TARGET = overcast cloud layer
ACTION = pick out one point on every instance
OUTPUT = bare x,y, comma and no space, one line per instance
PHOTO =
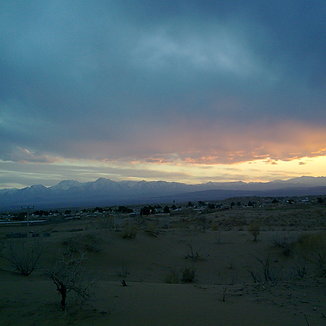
158,81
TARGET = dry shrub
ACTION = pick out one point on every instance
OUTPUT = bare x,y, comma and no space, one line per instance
129,232
83,243
254,230
313,241
285,245
22,255
299,270
192,254
188,275
265,272
313,248
68,275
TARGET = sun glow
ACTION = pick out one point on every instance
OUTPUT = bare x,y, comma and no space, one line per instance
21,174
262,170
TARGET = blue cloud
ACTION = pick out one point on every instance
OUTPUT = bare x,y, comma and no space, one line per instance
82,74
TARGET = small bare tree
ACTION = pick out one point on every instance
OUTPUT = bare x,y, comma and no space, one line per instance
68,276
254,230
23,256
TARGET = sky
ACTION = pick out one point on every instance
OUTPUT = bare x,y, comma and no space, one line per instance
184,90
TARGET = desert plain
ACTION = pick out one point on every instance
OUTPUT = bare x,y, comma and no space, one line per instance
257,265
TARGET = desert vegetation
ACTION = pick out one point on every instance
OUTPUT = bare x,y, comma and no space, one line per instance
68,276
206,262
254,230
23,256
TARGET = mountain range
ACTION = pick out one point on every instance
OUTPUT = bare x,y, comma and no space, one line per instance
71,193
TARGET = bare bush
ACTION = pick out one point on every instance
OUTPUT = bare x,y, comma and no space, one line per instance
129,232
266,266
300,270
192,254
284,244
68,276
188,275
267,274
312,247
254,230
224,293
23,256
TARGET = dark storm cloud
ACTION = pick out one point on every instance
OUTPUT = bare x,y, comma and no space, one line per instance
105,79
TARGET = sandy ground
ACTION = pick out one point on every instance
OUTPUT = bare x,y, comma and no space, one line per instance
223,292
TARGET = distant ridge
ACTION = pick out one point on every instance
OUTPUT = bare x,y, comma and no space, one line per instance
107,192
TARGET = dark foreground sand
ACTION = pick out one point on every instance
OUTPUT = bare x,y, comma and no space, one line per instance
224,292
